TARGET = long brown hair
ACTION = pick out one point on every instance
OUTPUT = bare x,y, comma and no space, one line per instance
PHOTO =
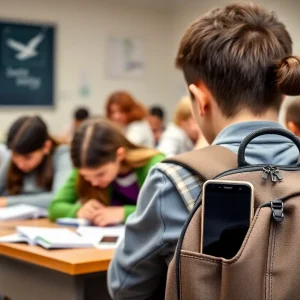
95,143
128,105
26,135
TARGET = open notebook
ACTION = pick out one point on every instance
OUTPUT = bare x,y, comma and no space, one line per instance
21,212
49,238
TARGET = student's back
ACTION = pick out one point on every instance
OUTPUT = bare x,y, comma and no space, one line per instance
238,64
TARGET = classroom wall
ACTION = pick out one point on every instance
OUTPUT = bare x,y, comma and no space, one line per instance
288,11
82,30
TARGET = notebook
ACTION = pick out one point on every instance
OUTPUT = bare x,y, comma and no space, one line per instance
49,238
103,237
22,212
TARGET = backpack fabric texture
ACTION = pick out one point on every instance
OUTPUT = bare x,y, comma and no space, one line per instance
266,266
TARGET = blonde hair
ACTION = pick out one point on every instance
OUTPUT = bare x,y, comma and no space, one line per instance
183,110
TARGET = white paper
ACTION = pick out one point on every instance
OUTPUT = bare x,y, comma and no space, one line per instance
96,234
21,212
125,57
55,237
14,238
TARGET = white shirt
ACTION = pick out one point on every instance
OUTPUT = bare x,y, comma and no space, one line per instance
174,141
140,133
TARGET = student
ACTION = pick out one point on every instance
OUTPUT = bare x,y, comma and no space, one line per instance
156,119
35,167
238,64
109,173
292,117
80,115
181,135
124,110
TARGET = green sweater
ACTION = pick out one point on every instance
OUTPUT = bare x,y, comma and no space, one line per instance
66,205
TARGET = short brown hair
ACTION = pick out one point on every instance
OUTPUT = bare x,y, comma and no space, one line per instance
243,55
134,110
293,112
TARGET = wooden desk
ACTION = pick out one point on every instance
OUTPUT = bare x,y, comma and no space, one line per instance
31,272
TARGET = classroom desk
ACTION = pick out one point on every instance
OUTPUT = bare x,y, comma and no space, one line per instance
33,273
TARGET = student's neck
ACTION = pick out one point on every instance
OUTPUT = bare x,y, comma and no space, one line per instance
269,116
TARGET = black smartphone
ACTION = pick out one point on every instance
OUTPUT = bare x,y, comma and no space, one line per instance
227,210
109,239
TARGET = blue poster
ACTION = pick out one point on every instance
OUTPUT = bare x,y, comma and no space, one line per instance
27,64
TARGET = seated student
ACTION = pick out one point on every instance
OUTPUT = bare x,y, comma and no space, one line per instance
156,119
35,167
80,115
238,64
124,110
292,116
181,135
109,173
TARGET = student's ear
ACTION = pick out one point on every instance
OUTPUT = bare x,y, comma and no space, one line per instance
47,147
121,154
201,96
293,128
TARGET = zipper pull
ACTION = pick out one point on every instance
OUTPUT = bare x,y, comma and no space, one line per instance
277,174
266,172
273,175
277,210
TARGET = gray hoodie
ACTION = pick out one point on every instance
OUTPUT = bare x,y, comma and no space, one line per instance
153,230
33,194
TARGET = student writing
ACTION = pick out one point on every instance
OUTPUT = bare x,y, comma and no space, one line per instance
109,173
35,167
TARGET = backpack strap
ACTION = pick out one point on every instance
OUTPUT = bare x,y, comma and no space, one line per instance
206,163
190,170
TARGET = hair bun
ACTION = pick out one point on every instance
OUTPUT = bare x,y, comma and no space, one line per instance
288,76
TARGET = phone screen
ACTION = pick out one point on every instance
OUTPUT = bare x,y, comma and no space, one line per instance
227,216
109,239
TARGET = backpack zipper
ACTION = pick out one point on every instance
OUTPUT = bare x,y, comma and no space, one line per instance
273,171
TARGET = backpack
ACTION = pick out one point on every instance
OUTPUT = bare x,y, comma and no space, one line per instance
267,264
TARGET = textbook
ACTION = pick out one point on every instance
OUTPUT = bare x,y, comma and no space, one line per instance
103,237
49,238
22,212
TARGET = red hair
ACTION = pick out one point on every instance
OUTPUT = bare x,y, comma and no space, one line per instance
128,105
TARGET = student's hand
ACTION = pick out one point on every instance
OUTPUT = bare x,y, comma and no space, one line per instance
3,202
89,209
109,216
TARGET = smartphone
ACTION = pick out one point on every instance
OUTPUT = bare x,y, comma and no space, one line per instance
227,211
109,239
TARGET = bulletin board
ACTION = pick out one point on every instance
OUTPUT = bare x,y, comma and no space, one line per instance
27,64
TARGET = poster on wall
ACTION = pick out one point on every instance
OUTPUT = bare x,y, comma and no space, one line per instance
125,58
27,64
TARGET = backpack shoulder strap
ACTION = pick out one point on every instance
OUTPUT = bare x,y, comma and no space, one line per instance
206,163
188,171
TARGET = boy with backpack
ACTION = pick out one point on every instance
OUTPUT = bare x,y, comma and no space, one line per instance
238,64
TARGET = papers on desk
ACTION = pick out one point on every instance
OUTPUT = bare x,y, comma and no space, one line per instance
103,237
49,238
22,212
